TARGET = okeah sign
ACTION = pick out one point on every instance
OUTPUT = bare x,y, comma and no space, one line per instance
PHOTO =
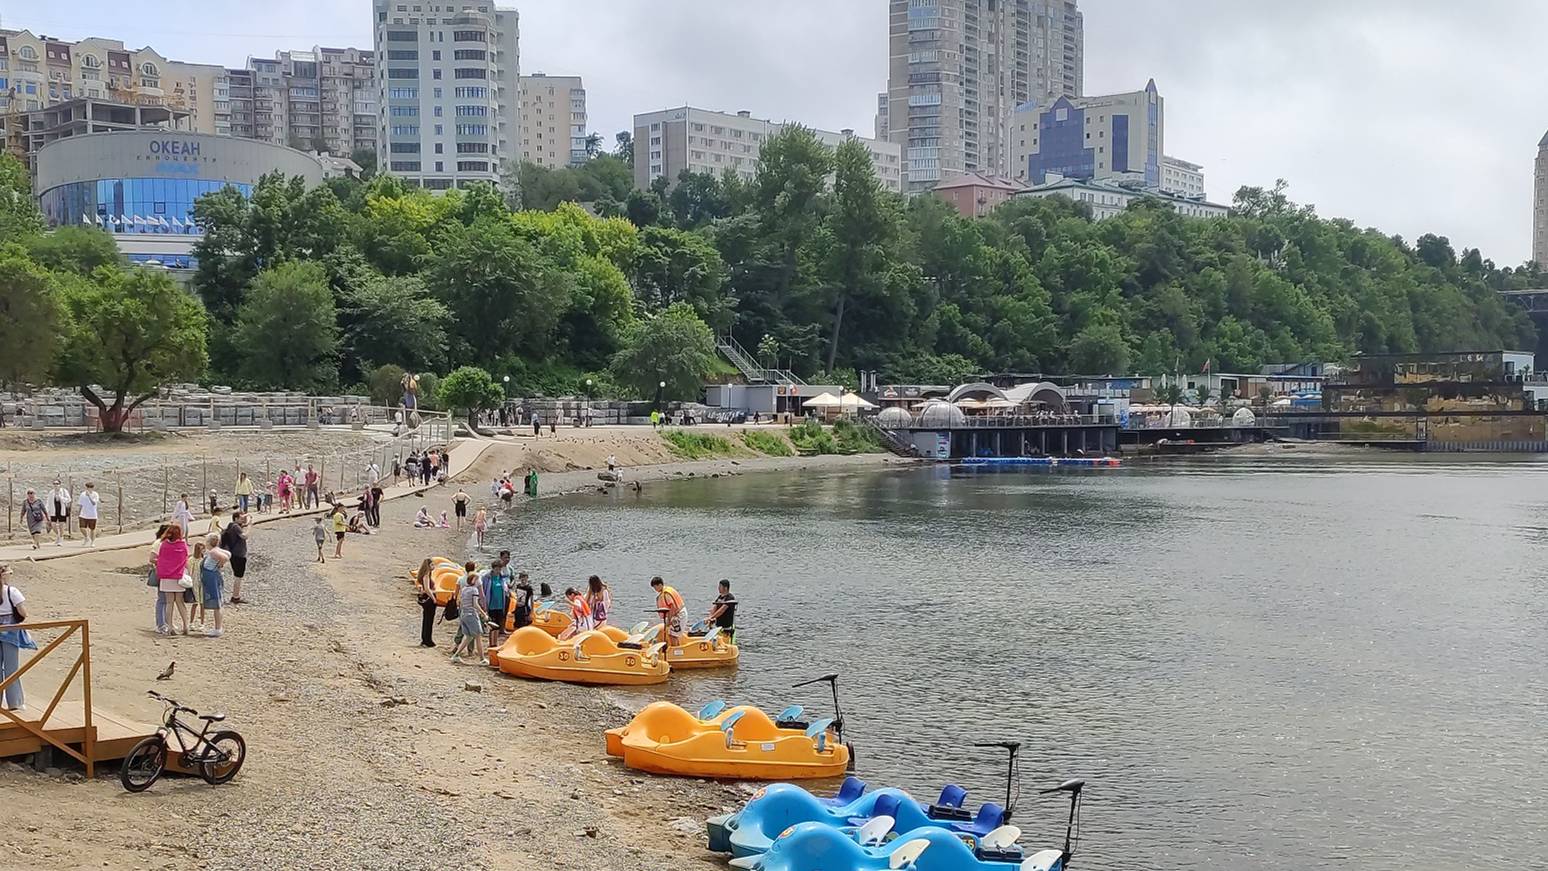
174,148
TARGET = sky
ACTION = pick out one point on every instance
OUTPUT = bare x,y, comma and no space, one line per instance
1411,116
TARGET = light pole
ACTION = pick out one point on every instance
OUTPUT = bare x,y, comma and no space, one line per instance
588,402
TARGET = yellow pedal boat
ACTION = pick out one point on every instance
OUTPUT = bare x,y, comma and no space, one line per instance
588,658
710,650
742,744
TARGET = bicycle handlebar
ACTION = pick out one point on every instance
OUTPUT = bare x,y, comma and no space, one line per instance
177,707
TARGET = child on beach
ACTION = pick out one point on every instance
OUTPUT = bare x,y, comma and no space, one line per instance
320,535
480,523
470,620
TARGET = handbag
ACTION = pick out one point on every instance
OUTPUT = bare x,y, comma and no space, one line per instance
452,611
185,582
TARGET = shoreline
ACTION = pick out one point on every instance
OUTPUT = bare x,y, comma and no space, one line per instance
354,732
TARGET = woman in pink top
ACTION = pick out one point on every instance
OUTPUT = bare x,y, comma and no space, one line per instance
171,566
284,482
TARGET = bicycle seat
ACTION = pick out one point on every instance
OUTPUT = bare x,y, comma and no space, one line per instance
213,718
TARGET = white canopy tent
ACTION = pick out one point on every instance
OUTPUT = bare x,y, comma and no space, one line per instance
823,400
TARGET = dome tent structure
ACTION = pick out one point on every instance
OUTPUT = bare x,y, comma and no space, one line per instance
894,418
942,415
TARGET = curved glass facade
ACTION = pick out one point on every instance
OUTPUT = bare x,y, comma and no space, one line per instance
161,206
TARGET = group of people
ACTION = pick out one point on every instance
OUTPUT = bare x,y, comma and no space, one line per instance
427,468
190,582
50,514
504,489
484,597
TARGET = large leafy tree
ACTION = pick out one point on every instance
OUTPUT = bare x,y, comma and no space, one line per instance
286,331
127,334
80,250
29,318
19,215
860,225
499,289
469,390
674,347
675,266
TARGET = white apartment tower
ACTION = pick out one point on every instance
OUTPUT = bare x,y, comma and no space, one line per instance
956,70
448,85
553,120
1540,204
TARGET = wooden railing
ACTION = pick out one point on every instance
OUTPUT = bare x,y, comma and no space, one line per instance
82,666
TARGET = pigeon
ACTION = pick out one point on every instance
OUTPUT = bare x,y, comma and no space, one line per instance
167,675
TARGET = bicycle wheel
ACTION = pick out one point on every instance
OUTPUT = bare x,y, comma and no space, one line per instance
143,764
224,756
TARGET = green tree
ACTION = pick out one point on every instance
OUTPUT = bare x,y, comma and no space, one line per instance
19,215
470,390
365,158
286,331
75,249
500,291
127,334
385,384
624,147
674,266
393,319
697,200
593,144
29,318
1099,349
861,224
674,346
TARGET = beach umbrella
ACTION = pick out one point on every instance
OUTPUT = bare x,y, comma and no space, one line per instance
854,401
822,400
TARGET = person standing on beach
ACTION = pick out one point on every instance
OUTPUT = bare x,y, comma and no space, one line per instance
470,619
480,524
377,494
234,542
89,502
171,568
212,583
34,516
425,585
320,535
13,611
340,526
59,511
521,598
283,483
497,596
537,424
599,598
243,491
460,501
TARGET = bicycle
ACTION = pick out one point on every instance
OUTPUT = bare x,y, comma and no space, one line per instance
216,757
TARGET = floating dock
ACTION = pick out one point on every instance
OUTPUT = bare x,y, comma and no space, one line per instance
1083,462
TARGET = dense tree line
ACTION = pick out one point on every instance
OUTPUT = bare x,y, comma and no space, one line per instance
811,263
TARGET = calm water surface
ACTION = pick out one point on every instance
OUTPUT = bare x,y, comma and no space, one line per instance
1279,662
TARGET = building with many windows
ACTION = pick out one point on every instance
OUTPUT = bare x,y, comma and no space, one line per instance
975,195
140,185
1182,177
448,91
553,120
323,99
700,140
39,71
956,69
1108,197
1540,205
1090,137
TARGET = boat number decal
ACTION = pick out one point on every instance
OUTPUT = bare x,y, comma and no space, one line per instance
785,832
677,651
564,657
629,661
703,646
768,748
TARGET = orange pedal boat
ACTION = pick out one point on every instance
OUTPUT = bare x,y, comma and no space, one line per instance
744,744
589,658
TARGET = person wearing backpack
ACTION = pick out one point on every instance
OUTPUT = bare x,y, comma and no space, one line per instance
13,611
497,593
34,516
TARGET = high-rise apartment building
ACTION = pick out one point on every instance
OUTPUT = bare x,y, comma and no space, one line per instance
448,91
1540,205
957,68
330,98
39,71
553,120
700,140
1181,177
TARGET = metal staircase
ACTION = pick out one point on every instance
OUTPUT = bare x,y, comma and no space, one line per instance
748,365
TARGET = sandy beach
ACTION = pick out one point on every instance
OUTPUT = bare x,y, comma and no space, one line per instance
364,750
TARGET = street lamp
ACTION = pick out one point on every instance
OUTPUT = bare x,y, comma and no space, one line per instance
589,412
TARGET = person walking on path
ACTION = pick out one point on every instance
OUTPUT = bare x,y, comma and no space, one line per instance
311,479
340,527
217,521
377,494
35,517
182,515
426,584
59,512
212,583
13,612
171,569
90,500
460,501
234,542
537,425
243,490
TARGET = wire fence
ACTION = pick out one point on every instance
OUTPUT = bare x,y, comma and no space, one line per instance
136,495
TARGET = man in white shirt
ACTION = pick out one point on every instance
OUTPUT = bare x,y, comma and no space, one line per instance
87,509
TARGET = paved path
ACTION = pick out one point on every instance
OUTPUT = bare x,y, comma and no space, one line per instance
464,453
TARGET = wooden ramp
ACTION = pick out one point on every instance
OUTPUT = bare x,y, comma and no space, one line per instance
76,728
112,736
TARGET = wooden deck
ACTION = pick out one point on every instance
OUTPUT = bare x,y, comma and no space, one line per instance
114,735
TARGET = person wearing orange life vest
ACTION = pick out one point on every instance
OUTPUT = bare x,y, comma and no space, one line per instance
669,601
580,614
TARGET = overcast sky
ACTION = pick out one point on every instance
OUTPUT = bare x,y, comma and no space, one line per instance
1412,116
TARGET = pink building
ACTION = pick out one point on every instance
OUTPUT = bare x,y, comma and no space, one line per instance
974,194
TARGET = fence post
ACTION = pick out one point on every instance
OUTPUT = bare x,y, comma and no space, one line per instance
166,486
204,473
10,499
121,503
70,517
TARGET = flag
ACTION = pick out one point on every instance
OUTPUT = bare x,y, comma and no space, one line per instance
1206,367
